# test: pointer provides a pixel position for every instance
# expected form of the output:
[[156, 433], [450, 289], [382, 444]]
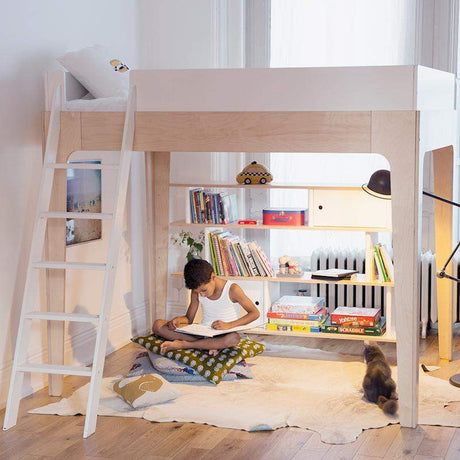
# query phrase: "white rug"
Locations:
[[318, 392]]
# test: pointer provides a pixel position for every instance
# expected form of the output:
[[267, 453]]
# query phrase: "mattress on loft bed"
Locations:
[[105, 104]]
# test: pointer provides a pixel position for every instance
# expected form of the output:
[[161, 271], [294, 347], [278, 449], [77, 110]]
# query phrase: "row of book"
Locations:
[[207, 207], [383, 264], [309, 314], [232, 256]]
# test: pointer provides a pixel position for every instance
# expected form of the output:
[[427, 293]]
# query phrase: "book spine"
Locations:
[[279, 327], [355, 320], [247, 269], [380, 267], [220, 207], [256, 260], [358, 330], [264, 260], [299, 316], [369, 262], [249, 259], [387, 262], [213, 255], [220, 263], [295, 322]]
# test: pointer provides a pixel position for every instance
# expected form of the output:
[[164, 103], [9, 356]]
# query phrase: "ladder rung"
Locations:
[[80, 166], [62, 316], [55, 369], [76, 215], [69, 265]]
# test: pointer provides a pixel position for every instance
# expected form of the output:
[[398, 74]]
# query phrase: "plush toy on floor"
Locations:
[[378, 386]]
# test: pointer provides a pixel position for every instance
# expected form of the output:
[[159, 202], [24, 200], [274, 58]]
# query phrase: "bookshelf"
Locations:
[[185, 224], [371, 233]]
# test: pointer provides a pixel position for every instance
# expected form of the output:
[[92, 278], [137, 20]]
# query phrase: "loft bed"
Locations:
[[401, 112]]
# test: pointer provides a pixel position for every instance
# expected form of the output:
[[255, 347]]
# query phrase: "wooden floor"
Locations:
[[47, 436]]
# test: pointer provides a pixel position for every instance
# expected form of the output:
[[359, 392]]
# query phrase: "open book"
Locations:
[[208, 331]]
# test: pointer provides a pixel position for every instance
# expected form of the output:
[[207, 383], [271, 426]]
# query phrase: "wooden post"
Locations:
[[55, 249], [394, 135], [157, 179], [443, 167]]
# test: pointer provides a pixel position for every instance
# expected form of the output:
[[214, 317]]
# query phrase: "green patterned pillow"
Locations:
[[212, 368]]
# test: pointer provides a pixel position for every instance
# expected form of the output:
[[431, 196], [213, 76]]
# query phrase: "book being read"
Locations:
[[208, 331]]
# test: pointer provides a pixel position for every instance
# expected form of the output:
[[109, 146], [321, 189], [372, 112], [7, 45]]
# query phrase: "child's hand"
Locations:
[[173, 324], [221, 325]]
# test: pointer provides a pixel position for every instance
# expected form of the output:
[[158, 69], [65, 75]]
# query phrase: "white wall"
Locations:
[[33, 34], [180, 34]]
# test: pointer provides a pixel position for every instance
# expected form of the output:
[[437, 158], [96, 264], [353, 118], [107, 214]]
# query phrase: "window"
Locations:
[[319, 33]]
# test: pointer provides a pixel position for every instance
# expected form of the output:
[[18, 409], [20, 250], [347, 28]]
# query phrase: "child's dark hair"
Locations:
[[197, 272]]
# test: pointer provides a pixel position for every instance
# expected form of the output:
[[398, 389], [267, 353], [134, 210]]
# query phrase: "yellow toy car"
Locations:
[[254, 173]]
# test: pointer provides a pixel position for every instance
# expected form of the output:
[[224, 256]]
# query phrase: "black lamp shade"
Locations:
[[379, 185]]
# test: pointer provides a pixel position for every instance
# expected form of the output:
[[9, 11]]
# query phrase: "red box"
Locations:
[[285, 216]]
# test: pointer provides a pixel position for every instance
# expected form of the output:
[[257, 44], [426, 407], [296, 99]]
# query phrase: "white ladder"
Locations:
[[20, 364]]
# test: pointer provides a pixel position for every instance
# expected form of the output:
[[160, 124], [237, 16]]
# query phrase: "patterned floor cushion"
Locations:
[[171, 369], [141, 365], [212, 368], [145, 390]]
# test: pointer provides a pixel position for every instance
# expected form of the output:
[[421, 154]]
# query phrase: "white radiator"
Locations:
[[374, 297]]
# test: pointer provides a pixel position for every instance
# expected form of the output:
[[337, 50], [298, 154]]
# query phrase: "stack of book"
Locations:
[[297, 313], [232, 256], [208, 207], [350, 320]]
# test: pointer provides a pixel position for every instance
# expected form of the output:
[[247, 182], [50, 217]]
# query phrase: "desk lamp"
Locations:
[[379, 186]]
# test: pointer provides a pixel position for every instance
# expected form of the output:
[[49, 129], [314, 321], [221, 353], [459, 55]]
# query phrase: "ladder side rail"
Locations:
[[36, 249], [112, 259]]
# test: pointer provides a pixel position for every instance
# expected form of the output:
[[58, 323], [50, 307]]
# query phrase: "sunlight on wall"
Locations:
[[321, 33]]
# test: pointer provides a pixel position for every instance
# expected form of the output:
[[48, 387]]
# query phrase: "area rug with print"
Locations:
[[292, 386]]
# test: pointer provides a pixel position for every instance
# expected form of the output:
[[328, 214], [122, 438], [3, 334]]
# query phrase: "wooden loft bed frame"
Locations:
[[400, 112]]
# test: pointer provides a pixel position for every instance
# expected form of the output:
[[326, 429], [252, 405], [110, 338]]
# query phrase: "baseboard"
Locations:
[[80, 345]]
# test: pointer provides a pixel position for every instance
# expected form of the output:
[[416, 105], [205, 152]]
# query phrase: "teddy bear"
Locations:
[[289, 266]]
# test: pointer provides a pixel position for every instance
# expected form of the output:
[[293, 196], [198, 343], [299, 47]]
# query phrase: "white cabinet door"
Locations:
[[348, 208]]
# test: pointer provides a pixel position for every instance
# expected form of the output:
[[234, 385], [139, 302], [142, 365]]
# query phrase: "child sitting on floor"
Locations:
[[220, 302]]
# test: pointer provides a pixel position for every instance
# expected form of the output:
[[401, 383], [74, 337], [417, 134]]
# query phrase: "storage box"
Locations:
[[352, 316], [285, 216]]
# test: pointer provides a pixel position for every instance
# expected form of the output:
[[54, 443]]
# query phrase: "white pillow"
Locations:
[[91, 67], [145, 390]]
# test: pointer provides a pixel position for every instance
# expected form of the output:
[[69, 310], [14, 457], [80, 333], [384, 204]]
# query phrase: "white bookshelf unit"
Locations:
[[378, 215]]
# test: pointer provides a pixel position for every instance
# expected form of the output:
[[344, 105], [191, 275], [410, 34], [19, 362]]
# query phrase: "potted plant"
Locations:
[[194, 244]]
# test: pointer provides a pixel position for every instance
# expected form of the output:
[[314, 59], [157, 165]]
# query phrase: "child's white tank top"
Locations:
[[222, 309]]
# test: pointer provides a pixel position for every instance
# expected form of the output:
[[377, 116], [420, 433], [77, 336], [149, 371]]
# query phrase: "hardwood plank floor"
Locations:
[[51, 437]]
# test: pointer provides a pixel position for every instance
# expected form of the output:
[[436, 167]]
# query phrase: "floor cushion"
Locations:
[[212, 368], [145, 390]]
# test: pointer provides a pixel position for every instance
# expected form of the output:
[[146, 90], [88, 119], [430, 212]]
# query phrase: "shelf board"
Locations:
[[324, 335], [182, 223], [268, 186], [356, 280]]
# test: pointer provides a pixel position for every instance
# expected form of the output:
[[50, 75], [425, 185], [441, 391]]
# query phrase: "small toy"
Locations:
[[289, 266], [118, 66], [247, 222], [254, 173]]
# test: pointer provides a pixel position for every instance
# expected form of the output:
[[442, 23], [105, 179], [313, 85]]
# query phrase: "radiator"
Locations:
[[374, 297]]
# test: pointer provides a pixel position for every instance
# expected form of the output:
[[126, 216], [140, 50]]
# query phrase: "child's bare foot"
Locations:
[[213, 352], [172, 345]]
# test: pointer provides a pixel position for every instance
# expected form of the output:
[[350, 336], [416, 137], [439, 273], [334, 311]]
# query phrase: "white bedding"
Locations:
[[103, 104]]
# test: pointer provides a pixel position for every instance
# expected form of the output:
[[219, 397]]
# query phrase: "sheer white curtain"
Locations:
[[319, 33]]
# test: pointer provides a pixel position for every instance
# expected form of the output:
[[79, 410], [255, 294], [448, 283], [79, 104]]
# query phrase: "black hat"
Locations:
[[379, 184]]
